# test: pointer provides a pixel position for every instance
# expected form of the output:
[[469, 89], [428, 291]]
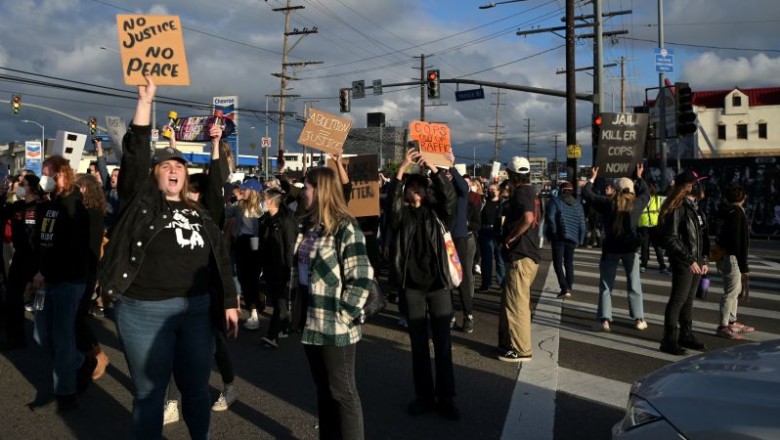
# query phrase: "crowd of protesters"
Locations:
[[178, 255]]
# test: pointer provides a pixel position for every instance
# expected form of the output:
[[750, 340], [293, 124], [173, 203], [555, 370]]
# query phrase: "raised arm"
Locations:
[[137, 155]]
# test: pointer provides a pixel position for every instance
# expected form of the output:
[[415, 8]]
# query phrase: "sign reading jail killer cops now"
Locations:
[[325, 132], [434, 141], [621, 143], [364, 177], [152, 45]]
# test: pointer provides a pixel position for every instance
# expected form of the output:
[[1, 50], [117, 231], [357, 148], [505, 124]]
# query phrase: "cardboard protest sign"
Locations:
[[434, 141], [621, 143], [363, 174], [152, 45], [325, 132]]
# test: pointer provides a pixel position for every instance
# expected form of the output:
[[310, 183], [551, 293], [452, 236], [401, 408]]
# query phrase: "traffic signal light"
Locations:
[[344, 100], [16, 104], [596, 133], [93, 128], [433, 84], [686, 118]]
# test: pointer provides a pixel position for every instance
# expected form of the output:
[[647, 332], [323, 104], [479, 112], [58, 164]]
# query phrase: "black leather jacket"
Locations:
[[277, 235], [683, 238], [144, 214], [401, 225]]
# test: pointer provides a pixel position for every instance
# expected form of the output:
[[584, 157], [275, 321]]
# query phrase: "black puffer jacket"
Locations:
[[144, 214], [684, 237], [401, 225]]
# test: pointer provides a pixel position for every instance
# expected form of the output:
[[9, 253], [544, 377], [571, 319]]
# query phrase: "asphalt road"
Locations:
[[575, 388]]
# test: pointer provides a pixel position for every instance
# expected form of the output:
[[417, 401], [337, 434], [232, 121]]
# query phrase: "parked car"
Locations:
[[731, 393]]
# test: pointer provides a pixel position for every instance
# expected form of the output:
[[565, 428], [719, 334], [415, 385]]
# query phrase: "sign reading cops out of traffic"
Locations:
[[434, 140], [152, 45], [621, 143]]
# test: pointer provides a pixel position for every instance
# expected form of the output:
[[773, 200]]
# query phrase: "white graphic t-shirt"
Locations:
[[176, 263]]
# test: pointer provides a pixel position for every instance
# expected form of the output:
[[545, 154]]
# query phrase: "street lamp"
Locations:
[[43, 135], [494, 4]]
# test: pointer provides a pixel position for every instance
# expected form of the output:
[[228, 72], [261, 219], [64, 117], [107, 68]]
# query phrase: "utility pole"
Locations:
[[555, 158], [422, 86], [571, 88], [598, 77], [622, 84], [286, 49], [496, 133], [662, 101], [528, 138]]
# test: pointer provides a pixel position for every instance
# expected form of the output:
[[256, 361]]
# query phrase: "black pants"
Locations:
[[338, 403], [248, 272], [647, 237], [679, 309], [563, 263], [280, 319], [86, 340], [466, 248], [14, 311], [420, 306]]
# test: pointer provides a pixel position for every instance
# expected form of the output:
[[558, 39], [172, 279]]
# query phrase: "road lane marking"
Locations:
[[596, 388], [531, 413]]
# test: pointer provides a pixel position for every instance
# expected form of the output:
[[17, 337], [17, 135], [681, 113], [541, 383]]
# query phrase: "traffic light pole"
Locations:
[[63, 114], [506, 86]]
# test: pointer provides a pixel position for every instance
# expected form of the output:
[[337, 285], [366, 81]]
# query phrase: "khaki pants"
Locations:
[[514, 319]]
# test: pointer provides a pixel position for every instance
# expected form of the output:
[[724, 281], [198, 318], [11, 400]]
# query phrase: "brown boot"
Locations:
[[102, 363]]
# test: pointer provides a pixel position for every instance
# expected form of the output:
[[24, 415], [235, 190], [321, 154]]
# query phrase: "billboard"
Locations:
[[229, 107], [33, 156]]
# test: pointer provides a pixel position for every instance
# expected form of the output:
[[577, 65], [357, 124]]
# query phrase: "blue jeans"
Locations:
[[607, 271], [491, 253], [563, 263], [164, 337], [55, 328]]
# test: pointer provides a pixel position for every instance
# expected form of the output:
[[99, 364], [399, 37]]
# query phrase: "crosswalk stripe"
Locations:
[[531, 412], [715, 286], [655, 319], [596, 388], [663, 299]]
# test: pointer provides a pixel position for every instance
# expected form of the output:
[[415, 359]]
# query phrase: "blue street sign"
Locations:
[[664, 60], [467, 95]]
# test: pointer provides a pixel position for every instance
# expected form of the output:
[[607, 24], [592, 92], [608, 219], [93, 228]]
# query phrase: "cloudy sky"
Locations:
[[233, 47]]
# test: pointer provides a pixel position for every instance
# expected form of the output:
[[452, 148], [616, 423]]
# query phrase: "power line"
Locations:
[[702, 46]]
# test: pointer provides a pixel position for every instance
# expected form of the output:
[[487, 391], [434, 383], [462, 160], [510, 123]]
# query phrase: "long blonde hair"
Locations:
[[622, 205], [250, 206], [329, 207]]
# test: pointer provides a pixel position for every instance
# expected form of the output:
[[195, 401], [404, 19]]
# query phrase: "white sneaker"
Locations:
[[640, 324], [171, 413], [477, 269], [226, 398], [252, 324]]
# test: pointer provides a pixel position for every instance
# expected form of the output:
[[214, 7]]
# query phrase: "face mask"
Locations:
[[20, 193], [47, 184]]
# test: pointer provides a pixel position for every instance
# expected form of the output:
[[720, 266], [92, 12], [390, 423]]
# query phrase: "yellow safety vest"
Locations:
[[649, 217]]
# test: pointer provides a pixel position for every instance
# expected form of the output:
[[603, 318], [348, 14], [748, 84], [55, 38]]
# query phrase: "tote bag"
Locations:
[[453, 261]]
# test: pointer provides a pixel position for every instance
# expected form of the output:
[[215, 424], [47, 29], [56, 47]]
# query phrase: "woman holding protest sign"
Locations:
[[420, 266], [167, 269]]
